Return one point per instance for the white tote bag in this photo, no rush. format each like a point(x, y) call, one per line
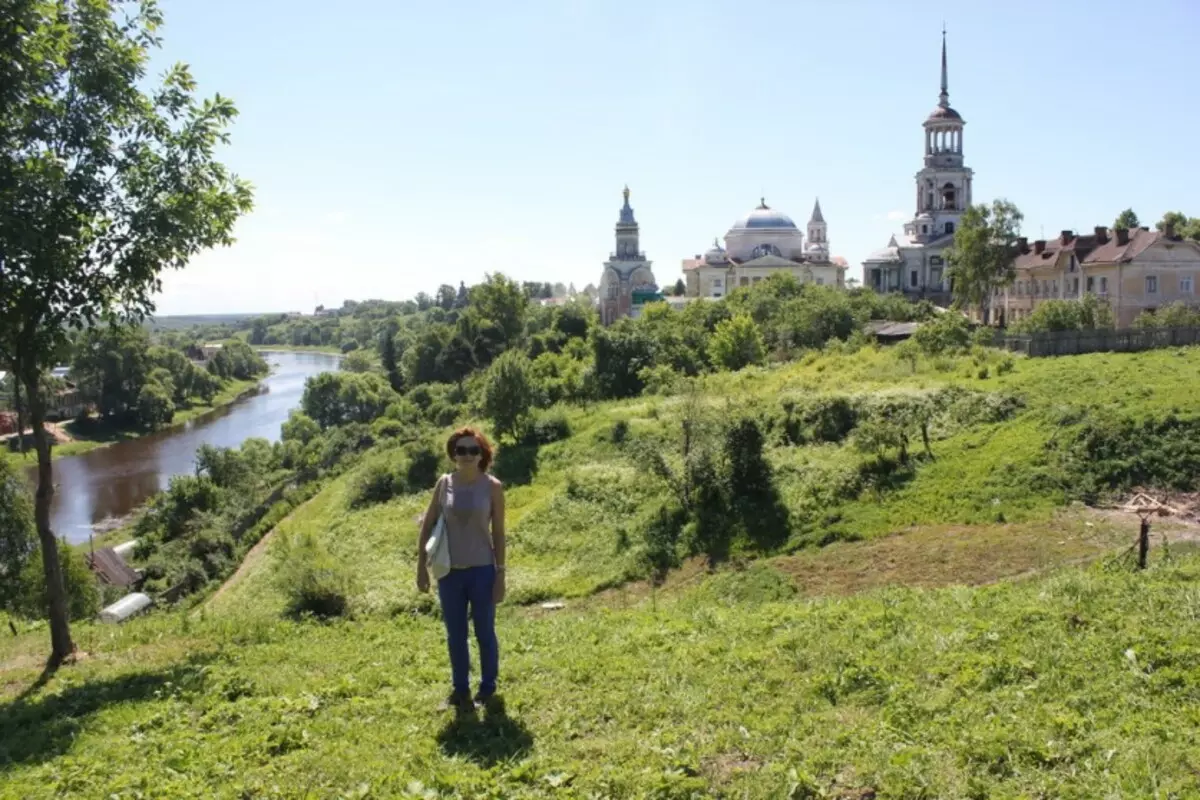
point(437, 547)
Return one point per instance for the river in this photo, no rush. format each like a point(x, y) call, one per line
point(108, 483)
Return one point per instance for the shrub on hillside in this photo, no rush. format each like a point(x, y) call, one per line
point(311, 579)
point(1107, 454)
point(83, 592)
point(737, 343)
point(946, 332)
point(547, 427)
point(424, 466)
point(377, 483)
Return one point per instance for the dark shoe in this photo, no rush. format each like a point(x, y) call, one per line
point(459, 701)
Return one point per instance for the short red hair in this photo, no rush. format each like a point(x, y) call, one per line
point(485, 447)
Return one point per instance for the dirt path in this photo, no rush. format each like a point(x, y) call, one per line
point(252, 559)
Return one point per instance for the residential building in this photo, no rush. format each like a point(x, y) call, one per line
point(1133, 270)
point(914, 262)
point(765, 242)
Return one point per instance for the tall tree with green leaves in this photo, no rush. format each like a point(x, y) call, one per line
point(1183, 225)
point(105, 181)
point(1127, 219)
point(508, 392)
point(982, 257)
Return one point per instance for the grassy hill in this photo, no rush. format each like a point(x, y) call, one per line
point(895, 662)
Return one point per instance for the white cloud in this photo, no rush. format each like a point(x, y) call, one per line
point(896, 216)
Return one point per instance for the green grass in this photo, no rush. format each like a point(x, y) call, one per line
point(1080, 684)
point(98, 433)
point(981, 640)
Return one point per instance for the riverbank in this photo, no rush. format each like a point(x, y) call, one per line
point(75, 439)
point(299, 348)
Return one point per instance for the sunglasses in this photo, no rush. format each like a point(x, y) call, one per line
point(462, 450)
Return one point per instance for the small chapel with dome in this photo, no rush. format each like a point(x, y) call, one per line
point(762, 243)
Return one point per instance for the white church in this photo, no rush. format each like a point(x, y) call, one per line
point(914, 261)
point(763, 243)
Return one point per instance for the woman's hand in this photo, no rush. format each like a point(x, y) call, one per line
point(422, 578)
point(498, 588)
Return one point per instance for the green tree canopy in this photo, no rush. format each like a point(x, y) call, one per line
point(105, 180)
point(982, 256)
point(1127, 219)
point(508, 393)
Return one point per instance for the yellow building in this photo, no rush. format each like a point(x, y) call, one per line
point(1133, 270)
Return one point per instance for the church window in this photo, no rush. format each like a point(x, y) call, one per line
point(756, 279)
point(924, 229)
point(743, 281)
point(949, 227)
point(716, 283)
point(948, 197)
point(1185, 284)
point(1151, 284)
point(1045, 287)
point(912, 279)
point(1054, 286)
point(1091, 284)
point(820, 281)
point(1103, 285)
point(1072, 264)
point(935, 276)
point(1075, 287)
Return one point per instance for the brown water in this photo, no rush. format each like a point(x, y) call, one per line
point(106, 484)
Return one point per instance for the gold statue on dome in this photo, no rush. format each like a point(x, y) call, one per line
point(626, 193)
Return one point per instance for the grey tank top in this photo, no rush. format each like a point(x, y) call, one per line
point(468, 513)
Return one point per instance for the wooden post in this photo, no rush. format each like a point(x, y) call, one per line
point(1144, 542)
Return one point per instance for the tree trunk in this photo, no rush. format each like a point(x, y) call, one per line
point(60, 630)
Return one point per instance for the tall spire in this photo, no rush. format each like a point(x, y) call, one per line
point(626, 217)
point(944, 97)
point(817, 216)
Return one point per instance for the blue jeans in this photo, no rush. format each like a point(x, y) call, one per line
point(462, 587)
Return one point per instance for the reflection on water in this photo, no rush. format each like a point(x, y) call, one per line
point(112, 481)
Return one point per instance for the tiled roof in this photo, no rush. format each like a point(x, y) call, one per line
point(1079, 245)
point(1111, 252)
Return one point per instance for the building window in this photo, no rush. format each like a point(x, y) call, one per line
point(924, 229)
point(1045, 287)
point(1091, 284)
point(1054, 286)
point(1072, 264)
point(935, 277)
point(757, 278)
point(743, 281)
point(1151, 284)
point(716, 283)
point(949, 227)
point(1185, 284)
point(912, 279)
point(1103, 285)
point(820, 281)
point(1075, 286)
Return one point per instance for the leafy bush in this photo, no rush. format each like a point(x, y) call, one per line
point(424, 466)
point(83, 593)
point(946, 332)
point(1106, 454)
point(312, 580)
point(508, 393)
point(377, 483)
point(548, 428)
point(18, 537)
point(737, 343)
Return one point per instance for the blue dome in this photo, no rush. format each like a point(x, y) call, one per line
point(765, 217)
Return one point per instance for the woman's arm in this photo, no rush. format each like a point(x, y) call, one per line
point(499, 543)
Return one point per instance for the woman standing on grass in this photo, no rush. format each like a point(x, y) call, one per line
point(472, 502)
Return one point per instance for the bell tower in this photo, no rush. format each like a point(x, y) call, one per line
point(944, 183)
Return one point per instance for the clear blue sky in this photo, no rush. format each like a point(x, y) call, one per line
point(395, 146)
